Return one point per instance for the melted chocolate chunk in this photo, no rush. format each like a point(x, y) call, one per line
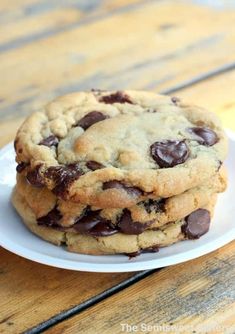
point(63, 176)
point(85, 223)
point(103, 229)
point(153, 249)
point(50, 141)
point(132, 191)
point(127, 226)
point(21, 166)
point(93, 224)
point(154, 205)
point(118, 97)
point(93, 165)
point(133, 254)
point(34, 177)
point(90, 119)
point(169, 153)
point(196, 224)
point(205, 136)
point(175, 100)
point(51, 219)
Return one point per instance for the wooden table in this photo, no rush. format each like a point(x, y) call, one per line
point(183, 48)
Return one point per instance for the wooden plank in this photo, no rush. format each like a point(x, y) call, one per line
point(44, 22)
point(192, 297)
point(31, 293)
point(158, 52)
point(44, 5)
point(28, 18)
point(6, 5)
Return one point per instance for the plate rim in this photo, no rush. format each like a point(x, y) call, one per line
point(130, 266)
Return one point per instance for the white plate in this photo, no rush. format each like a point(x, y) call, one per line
point(15, 237)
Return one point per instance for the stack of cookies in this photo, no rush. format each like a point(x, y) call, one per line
point(119, 172)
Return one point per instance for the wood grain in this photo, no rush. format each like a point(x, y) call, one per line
point(31, 293)
point(38, 6)
point(39, 19)
point(197, 295)
point(158, 51)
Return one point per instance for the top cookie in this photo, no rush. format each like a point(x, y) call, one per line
point(115, 149)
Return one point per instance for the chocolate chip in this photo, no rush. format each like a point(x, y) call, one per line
point(169, 153)
point(133, 254)
point(113, 184)
point(118, 97)
point(51, 219)
point(204, 135)
point(103, 229)
point(196, 224)
point(93, 224)
point(21, 166)
point(152, 249)
point(85, 223)
point(63, 176)
point(175, 100)
point(132, 191)
point(34, 177)
point(127, 226)
point(93, 165)
point(90, 119)
point(154, 205)
point(50, 141)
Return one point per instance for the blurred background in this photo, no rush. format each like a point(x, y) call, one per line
point(51, 47)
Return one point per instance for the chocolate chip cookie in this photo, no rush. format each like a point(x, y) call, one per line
point(50, 210)
point(116, 149)
point(89, 241)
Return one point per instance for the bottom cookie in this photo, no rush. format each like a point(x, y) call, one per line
point(192, 227)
